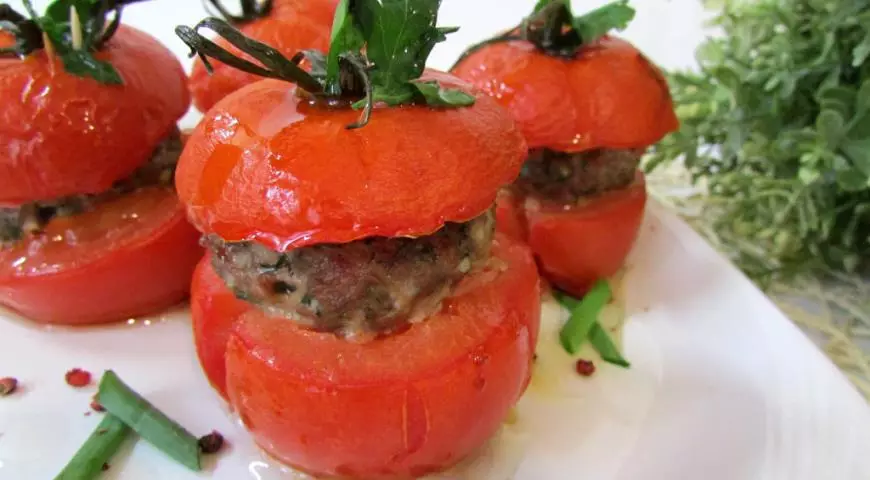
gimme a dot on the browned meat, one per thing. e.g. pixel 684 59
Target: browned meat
pixel 567 177
pixel 31 217
pixel 357 289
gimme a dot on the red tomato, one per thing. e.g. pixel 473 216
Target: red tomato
pixel 608 96
pixel 65 135
pixel 291 27
pixel 266 165
pixel 398 407
pixel 577 245
pixel 128 257
pixel 214 310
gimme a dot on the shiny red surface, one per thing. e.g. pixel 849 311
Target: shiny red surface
pixel 62 135
pixel 609 96
pixel 264 165
pixel 130 256
pixel 397 407
pixel 577 245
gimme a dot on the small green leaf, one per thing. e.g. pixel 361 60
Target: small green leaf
pixel 82 63
pixel 862 98
pixel 861 52
pixel 858 152
pixel 851 180
pixel 831 126
pixel 437 96
pixel 543 3
pixel 595 24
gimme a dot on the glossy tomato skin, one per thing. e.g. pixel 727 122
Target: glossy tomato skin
pixel 104 266
pixel 266 165
pixel 291 27
pixel 575 246
pixel 214 309
pixel 66 135
pixel 398 407
pixel 608 96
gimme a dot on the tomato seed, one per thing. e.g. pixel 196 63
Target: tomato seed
pixel 78 378
pixel 585 367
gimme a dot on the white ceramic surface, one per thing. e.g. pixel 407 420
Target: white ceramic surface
pixel 723 386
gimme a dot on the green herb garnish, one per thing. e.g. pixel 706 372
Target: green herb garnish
pixel 584 314
pixel 583 324
pixel 76 30
pixel 377 54
pixel 148 422
pixel 97 450
pixel 553 28
pixel 603 344
pixel 776 123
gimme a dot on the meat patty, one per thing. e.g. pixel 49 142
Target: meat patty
pixel 370 286
pixel 568 177
pixel 31 217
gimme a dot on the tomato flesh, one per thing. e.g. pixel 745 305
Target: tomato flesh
pixel 577 245
pixel 398 407
pixel 129 256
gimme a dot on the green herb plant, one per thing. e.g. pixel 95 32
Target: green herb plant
pixel 74 30
pixel 554 29
pixel 776 122
pixel 377 54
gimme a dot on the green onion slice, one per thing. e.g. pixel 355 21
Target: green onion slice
pixel 584 314
pixel 151 424
pixel 605 347
pixel 97 450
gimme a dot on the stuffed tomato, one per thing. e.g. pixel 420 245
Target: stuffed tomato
pixel 589 105
pixel 356 307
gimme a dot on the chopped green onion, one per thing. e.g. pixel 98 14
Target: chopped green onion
pixel 584 314
pixel 151 424
pixel 605 347
pixel 103 442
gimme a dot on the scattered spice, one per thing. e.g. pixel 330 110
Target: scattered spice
pixel 211 443
pixel 78 378
pixel 105 466
pixel 585 367
pixel 95 406
pixel 8 385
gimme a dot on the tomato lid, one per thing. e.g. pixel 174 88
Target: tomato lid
pixel 267 165
pixel 66 134
pixel 608 96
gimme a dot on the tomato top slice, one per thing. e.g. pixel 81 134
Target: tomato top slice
pixel 61 134
pixel 265 165
pixel 77 240
pixel 609 96
pixel 291 26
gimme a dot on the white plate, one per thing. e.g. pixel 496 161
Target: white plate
pixel 723 386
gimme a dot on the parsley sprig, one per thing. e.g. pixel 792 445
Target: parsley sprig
pixel 377 54
pixel 776 122
pixel 75 29
pixel 554 28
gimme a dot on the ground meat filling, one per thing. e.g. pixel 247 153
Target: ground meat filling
pixel 568 177
pixel 15 222
pixel 369 286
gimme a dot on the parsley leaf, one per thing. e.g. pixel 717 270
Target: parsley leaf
pixel 398 36
pixel 598 22
pixel 57 25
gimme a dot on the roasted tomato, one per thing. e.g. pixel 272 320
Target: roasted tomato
pixel 287 25
pixel 356 307
pixel 68 135
pixel 316 401
pixel 588 109
pixel 130 256
pixel 91 230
